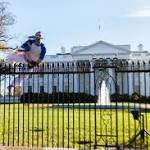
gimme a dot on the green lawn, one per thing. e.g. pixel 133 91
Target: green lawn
pixel 39 125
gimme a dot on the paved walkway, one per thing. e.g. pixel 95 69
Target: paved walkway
pixel 32 148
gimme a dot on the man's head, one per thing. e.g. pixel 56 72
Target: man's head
pixel 38 36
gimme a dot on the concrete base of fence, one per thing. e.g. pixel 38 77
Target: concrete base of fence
pixel 9 99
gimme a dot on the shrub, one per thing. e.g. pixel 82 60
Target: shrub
pixel 135 96
pixel 120 98
pixel 58 97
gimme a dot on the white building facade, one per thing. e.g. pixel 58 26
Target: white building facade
pixel 127 82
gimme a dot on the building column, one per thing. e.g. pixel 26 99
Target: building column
pixel 92 87
pixel 76 80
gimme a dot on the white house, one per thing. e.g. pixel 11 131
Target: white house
pixel 95 51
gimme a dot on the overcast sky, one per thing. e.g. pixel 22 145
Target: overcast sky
pixel 76 22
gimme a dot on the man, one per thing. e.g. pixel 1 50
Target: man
pixel 32 52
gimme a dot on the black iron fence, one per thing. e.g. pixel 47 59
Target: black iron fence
pixel 81 105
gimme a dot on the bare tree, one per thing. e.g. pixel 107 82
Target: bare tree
pixel 6 19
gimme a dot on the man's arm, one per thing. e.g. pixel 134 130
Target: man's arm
pixel 27 45
pixel 42 54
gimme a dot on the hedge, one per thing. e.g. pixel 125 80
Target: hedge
pixel 57 98
pixel 60 97
pixel 135 97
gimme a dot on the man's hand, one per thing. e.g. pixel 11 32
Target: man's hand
pixel 32 64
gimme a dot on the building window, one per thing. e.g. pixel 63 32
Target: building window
pixel 66 88
pixel 66 76
pixel 41 75
pixel 41 89
pixel 137 88
pixel 54 89
pixel 55 75
pixel 118 89
pixel 30 76
pixel 29 89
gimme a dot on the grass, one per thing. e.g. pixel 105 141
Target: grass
pixel 41 125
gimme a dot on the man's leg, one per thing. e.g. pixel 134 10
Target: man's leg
pixel 17 80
